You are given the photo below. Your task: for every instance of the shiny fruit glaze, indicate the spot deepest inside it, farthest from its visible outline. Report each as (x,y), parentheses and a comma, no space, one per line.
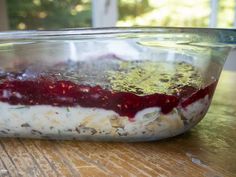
(66,94)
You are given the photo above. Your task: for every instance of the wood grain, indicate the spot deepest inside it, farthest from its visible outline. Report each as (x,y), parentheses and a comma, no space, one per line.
(207,150)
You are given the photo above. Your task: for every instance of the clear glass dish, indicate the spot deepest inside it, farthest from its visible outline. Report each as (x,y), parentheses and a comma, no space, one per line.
(114,84)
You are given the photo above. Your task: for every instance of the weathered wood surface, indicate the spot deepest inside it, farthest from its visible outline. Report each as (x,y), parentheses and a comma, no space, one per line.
(207,150)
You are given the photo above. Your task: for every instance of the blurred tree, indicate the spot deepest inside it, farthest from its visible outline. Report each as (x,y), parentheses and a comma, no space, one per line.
(49,14)
(133,8)
(226,13)
(176,13)
(54,14)
(171,13)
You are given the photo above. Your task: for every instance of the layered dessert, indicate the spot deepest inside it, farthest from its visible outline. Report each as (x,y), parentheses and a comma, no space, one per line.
(105,98)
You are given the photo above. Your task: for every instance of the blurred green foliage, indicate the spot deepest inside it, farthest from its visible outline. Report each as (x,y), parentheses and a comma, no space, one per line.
(178,13)
(54,14)
(133,8)
(226,13)
(49,14)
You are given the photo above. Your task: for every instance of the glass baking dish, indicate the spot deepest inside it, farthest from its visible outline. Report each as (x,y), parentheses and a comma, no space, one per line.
(113,84)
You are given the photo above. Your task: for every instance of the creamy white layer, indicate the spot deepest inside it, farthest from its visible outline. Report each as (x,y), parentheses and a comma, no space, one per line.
(46,120)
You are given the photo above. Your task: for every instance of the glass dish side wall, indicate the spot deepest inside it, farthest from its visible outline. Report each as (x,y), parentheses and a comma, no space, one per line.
(160,59)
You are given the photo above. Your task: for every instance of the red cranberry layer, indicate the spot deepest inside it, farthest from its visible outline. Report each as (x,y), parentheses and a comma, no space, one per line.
(199,94)
(67,93)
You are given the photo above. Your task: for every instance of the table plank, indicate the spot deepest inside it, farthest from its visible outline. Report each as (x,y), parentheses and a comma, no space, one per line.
(209,149)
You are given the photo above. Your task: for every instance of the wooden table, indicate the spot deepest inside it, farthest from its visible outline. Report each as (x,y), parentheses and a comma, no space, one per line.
(207,150)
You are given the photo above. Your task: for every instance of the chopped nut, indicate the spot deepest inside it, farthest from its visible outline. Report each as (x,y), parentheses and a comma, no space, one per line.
(116,122)
(85,130)
(25,125)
